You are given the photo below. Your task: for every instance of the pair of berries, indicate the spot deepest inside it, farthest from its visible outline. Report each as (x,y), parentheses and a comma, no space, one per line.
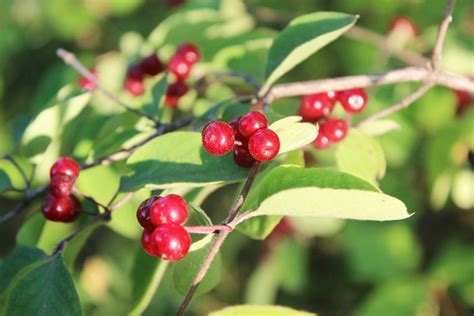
(314,107)
(317,106)
(150,65)
(247,135)
(60,205)
(180,65)
(162,219)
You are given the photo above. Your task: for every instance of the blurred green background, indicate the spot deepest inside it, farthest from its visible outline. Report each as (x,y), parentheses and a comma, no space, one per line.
(420,266)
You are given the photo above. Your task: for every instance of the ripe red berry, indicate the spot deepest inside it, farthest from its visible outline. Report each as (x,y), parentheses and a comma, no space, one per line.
(404,25)
(218,138)
(334,129)
(264,145)
(135,71)
(252,122)
(353,100)
(239,138)
(321,142)
(179,67)
(170,242)
(315,106)
(169,209)
(85,83)
(147,242)
(242,156)
(189,52)
(143,213)
(134,86)
(61,185)
(66,166)
(151,65)
(62,209)
(174,92)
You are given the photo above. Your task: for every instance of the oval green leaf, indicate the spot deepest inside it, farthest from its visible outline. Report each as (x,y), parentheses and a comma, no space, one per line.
(304,36)
(178,160)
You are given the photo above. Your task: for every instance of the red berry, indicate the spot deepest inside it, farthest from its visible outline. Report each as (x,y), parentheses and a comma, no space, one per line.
(134,86)
(147,242)
(315,106)
(61,185)
(179,67)
(169,209)
(85,83)
(239,138)
(143,213)
(321,142)
(242,156)
(252,122)
(151,65)
(264,145)
(170,242)
(174,92)
(405,25)
(218,138)
(135,71)
(66,166)
(189,52)
(334,129)
(353,100)
(62,209)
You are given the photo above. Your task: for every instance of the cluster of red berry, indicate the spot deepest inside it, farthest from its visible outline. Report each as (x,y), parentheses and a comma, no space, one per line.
(247,135)
(180,65)
(60,205)
(163,234)
(318,106)
(150,65)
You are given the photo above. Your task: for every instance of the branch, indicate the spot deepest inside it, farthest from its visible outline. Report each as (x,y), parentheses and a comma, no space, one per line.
(443,28)
(406,102)
(70,59)
(219,240)
(23,204)
(409,74)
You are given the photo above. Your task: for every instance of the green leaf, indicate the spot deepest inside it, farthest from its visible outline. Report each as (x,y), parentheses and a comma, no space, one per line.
(30,231)
(20,257)
(185,270)
(157,93)
(361,155)
(304,36)
(262,285)
(147,274)
(259,310)
(379,127)
(178,159)
(293,133)
(47,289)
(294,191)
(5,182)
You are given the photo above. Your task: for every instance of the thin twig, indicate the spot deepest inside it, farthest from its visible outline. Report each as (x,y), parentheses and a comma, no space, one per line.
(208,229)
(403,104)
(409,74)
(102,218)
(443,28)
(219,240)
(70,59)
(23,204)
(91,199)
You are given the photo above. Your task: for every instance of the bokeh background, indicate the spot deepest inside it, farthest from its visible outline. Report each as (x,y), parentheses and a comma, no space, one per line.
(420,266)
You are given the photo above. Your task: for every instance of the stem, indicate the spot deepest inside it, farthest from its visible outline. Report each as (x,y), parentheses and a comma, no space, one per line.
(91,199)
(219,240)
(70,59)
(207,229)
(443,28)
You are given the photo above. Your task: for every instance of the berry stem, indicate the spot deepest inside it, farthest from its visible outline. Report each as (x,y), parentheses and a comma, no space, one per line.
(221,236)
(208,229)
(70,59)
(91,199)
